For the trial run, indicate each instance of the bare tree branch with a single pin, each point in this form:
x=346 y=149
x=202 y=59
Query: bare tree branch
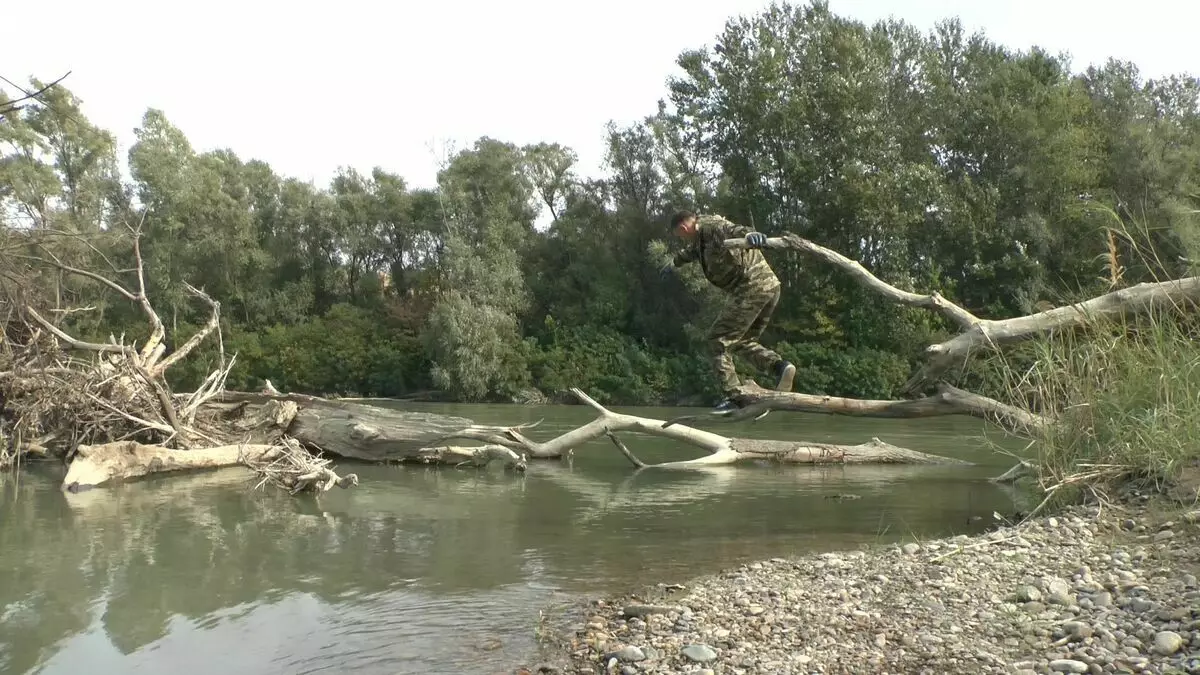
x=933 y=301
x=756 y=402
x=76 y=343
x=1140 y=299
x=55 y=262
x=214 y=322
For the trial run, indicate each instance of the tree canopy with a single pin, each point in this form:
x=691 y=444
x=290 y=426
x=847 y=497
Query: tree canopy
x=941 y=160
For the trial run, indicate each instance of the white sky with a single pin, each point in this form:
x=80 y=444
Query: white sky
x=363 y=84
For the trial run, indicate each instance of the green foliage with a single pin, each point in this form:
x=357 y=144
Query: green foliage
x=942 y=161
x=852 y=372
x=614 y=368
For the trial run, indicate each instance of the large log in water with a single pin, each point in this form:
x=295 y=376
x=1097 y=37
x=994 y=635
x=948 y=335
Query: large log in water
x=100 y=464
x=360 y=431
x=95 y=465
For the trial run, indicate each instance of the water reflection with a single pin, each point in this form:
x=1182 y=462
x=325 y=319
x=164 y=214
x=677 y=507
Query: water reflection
x=416 y=570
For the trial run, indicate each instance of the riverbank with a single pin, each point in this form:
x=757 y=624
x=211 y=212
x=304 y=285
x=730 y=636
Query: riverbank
x=1090 y=590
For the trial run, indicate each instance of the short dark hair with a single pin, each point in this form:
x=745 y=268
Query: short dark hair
x=678 y=218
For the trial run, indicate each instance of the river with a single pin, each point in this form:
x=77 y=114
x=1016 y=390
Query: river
x=427 y=570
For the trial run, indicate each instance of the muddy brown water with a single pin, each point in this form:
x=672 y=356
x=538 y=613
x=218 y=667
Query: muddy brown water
x=427 y=570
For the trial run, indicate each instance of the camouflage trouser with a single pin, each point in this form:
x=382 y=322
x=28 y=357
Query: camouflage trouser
x=738 y=328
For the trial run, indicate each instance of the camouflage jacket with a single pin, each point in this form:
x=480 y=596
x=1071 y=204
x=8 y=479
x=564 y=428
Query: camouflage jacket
x=731 y=270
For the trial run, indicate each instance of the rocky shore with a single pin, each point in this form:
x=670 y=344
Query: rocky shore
x=1092 y=590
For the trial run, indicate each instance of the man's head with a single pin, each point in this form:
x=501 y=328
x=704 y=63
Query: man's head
x=683 y=224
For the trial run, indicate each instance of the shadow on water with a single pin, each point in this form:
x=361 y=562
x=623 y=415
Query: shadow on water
x=432 y=570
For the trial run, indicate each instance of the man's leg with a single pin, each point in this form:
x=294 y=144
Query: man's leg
x=763 y=358
x=729 y=331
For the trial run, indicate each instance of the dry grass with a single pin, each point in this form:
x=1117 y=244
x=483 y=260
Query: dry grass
x=1126 y=393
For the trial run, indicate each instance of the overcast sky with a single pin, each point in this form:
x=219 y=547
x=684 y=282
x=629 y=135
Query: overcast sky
x=312 y=86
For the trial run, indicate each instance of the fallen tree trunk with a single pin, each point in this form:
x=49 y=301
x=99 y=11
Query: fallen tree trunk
x=284 y=462
x=723 y=450
x=1140 y=299
x=355 y=430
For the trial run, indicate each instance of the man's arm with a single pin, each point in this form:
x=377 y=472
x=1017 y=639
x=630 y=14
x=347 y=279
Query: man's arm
x=687 y=255
x=723 y=229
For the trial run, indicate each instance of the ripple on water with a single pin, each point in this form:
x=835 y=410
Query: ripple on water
x=411 y=632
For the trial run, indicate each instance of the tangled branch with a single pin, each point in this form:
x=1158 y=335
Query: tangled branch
x=66 y=396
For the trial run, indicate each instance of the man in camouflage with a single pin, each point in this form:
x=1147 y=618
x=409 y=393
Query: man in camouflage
x=754 y=293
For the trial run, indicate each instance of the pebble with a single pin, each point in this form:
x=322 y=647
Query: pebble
x=1167 y=642
x=699 y=653
x=629 y=654
x=1088 y=593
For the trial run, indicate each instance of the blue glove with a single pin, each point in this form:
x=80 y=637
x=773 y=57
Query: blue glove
x=756 y=239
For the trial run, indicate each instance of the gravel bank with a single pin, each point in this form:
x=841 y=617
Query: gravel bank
x=1088 y=591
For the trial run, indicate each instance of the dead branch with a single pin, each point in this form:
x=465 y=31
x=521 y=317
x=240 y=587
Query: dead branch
x=76 y=343
x=158 y=332
x=722 y=450
x=756 y=402
x=933 y=301
x=213 y=324
x=476 y=456
x=87 y=274
x=1019 y=470
x=290 y=466
x=1140 y=299
x=625 y=451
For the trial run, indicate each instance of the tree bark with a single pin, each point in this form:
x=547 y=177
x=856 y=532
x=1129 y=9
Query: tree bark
x=359 y=431
x=95 y=465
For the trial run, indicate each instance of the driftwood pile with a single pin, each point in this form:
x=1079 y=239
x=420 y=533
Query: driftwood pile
x=107 y=406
